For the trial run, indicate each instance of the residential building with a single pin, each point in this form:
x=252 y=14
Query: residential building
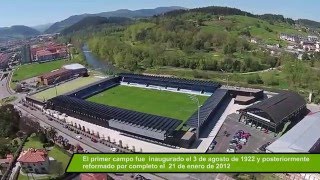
x=313 y=38
x=25 y=54
x=93 y=176
x=4 y=163
x=4 y=60
x=34 y=161
x=48 y=51
x=288 y=37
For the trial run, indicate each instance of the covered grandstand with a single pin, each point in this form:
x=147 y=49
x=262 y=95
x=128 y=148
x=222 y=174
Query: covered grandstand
x=208 y=109
x=168 y=82
x=94 y=88
x=273 y=113
x=131 y=122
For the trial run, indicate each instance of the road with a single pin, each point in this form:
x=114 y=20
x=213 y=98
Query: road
x=85 y=142
x=3 y=87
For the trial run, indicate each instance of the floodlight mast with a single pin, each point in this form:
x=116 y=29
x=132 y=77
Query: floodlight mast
x=195 y=99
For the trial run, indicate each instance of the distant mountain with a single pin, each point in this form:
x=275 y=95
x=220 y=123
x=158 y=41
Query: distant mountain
x=308 y=23
x=18 y=31
x=59 y=26
x=42 y=27
x=93 y=21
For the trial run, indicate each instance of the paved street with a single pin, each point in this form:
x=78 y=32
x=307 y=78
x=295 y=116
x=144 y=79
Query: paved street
x=85 y=142
x=3 y=87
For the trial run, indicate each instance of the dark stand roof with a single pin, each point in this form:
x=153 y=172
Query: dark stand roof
x=208 y=109
x=143 y=120
x=191 y=84
x=280 y=106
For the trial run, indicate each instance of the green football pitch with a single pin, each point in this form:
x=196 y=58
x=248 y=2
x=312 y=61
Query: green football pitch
x=65 y=87
x=162 y=103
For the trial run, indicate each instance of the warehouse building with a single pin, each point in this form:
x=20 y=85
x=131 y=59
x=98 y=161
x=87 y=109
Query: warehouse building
x=55 y=77
x=275 y=113
x=302 y=138
x=65 y=73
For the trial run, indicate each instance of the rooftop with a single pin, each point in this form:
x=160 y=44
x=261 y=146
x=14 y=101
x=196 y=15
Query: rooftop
x=301 y=138
x=279 y=106
x=74 y=66
x=54 y=74
x=33 y=156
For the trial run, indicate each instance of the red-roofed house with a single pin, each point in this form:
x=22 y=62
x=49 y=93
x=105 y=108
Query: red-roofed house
x=49 y=51
x=93 y=176
x=4 y=163
x=34 y=161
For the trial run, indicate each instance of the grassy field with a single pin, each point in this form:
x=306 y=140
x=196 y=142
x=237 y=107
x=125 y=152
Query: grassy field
x=66 y=87
x=31 y=70
x=162 y=103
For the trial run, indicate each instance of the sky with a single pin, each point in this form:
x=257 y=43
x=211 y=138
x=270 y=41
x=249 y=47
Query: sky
x=37 y=12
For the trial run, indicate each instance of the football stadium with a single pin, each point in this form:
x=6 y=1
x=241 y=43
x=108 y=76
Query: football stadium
x=166 y=111
x=152 y=108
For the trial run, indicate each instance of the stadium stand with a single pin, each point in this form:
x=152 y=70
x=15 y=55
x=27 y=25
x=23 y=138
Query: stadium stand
x=137 y=123
x=94 y=88
x=274 y=112
x=168 y=82
x=208 y=109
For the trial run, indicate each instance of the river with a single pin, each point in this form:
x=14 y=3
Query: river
x=95 y=63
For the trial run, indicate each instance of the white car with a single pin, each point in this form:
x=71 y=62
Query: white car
x=78 y=137
x=230 y=150
x=114 y=149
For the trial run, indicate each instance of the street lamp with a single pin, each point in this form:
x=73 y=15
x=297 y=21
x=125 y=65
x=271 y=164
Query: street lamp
x=195 y=99
x=227 y=77
x=55 y=84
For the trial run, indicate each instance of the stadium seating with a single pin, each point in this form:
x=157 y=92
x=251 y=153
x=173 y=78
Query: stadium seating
x=151 y=126
x=195 y=85
x=95 y=88
x=208 y=109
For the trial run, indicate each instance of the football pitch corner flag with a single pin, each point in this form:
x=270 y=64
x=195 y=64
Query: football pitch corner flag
x=196 y=163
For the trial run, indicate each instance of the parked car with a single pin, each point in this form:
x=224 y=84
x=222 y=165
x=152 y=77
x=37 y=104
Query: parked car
x=114 y=149
x=94 y=140
x=230 y=150
x=263 y=147
x=65 y=126
x=78 y=137
x=234 y=141
x=214 y=142
x=211 y=147
x=239 y=146
x=240 y=131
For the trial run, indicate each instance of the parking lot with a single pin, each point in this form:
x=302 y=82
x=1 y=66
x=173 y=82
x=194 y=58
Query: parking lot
x=231 y=126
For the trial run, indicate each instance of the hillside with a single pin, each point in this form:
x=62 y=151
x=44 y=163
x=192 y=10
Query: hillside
x=17 y=32
x=59 y=26
x=211 y=38
x=308 y=23
x=42 y=27
x=94 y=22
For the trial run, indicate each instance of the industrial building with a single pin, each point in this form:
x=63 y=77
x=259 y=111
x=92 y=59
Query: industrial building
x=273 y=113
x=302 y=138
x=65 y=73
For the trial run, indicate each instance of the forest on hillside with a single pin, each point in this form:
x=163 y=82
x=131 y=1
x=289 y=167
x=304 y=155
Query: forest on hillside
x=189 y=41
